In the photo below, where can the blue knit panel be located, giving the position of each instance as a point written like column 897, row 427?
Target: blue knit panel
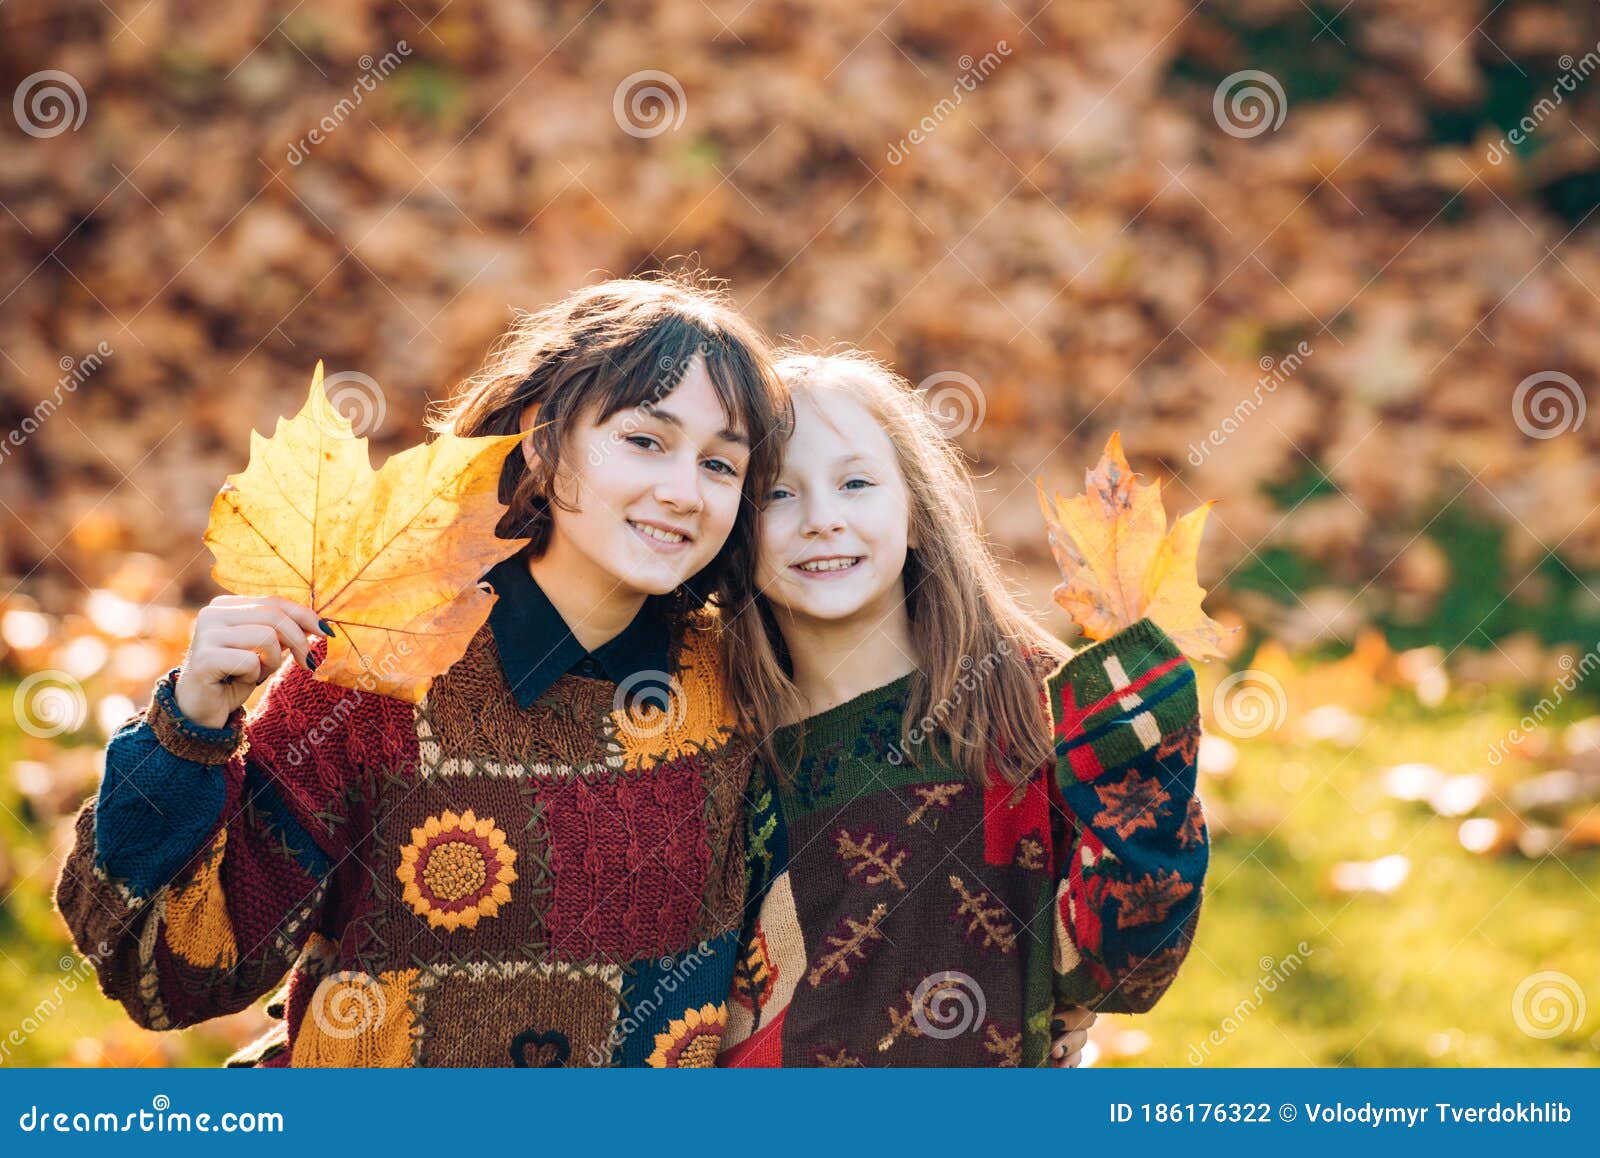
column 155, row 810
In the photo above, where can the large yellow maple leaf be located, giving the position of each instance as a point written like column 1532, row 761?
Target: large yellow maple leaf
column 391, row 558
column 1119, row 562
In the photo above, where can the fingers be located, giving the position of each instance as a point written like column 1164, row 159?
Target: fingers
column 287, row 621
column 1072, row 1017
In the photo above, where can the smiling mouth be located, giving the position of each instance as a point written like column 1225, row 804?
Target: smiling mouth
column 833, row 566
column 658, row 537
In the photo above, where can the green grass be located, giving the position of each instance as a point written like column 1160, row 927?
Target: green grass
column 1424, row 976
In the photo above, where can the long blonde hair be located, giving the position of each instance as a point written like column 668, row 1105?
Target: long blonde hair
column 979, row 694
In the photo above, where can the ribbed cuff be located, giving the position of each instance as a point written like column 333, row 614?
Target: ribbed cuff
column 1143, row 642
column 186, row 739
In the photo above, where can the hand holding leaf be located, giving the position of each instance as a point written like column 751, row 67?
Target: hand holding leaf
column 1119, row 562
column 391, row 557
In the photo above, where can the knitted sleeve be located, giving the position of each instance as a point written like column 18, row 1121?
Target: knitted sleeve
column 1133, row 847
column 203, row 863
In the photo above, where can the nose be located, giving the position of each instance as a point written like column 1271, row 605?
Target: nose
column 822, row 517
column 680, row 487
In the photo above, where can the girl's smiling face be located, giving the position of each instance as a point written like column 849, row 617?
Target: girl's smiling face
column 833, row 537
column 654, row 490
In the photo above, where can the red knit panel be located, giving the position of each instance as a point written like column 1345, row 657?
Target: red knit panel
column 762, row 1049
column 628, row 860
column 1008, row 818
column 314, row 737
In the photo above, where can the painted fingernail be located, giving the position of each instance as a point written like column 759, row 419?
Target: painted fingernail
column 1059, row 1026
column 327, row 628
column 311, row 661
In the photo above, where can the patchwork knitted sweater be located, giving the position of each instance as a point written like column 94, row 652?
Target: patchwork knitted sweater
column 469, row 881
column 898, row 914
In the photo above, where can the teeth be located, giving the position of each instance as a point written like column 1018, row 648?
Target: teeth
column 829, row 565
column 657, row 533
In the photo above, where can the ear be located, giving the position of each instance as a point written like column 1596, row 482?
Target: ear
column 529, row 413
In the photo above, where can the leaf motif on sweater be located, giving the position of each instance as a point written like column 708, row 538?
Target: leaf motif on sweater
column 1148, row 898
column 871, row 857
column 986, row 919
column 848, row 944
column 1131, row 804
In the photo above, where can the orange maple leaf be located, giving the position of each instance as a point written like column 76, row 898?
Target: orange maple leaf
column 1120, row 563
column 391, row 558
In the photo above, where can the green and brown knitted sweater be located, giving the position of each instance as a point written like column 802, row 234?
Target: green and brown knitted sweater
column 898, row 914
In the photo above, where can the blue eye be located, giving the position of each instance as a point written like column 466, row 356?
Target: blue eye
column 858, row 483
column 778, row 493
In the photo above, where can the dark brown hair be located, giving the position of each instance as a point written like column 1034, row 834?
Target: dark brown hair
column 619, row 344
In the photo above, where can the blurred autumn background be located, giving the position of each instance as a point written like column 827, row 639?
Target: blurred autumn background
column 1333, row 265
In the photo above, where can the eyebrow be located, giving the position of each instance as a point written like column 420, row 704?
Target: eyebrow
column 673, row 420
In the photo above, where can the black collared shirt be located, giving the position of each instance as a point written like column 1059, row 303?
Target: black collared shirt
column 537, row 647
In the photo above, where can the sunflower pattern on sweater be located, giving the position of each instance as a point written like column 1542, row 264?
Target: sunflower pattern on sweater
column 470, row 881
column 901, row 915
